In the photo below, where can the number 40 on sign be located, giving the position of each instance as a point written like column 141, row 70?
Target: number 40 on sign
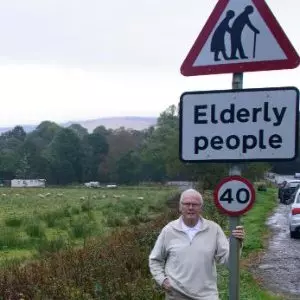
column 234, row 195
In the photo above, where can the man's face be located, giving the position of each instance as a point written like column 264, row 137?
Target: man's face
column 191, row 207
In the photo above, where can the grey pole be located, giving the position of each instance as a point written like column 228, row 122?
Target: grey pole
column 234, row 244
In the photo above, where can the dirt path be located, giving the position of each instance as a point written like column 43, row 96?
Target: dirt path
column 279, row 268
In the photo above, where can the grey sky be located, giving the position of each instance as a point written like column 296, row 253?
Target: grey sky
column 75, row 59
column 97, row 32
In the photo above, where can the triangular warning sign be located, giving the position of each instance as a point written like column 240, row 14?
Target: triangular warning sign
column 240, row 36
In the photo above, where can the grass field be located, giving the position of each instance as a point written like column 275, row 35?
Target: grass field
column 42, row 221
column 35, row 220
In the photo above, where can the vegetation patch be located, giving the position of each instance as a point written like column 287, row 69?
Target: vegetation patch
column 115, row 266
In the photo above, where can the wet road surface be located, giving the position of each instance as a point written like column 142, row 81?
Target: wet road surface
column 279, row 268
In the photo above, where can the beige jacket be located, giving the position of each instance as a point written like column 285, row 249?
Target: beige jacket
column 190, row 265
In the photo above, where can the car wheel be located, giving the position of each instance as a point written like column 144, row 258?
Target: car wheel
column 293, row 234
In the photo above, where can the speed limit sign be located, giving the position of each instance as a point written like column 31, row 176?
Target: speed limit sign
column 234, row 195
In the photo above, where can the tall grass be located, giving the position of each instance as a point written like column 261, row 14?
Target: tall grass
column 115, row 266
column 34, row 219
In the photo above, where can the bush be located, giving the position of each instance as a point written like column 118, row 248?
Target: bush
column 137, row 219
column 115, row 220
column 211, row 212
column 173, row 201
column 13, row 222
column 35, row 229
column 113, row 267
column 10, row 239
column 82, row 226
column 262, row 188
column 51, row 217
column 86, row 206
column 47, row 246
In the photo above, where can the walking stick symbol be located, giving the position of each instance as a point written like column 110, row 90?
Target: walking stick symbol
column 254, row 44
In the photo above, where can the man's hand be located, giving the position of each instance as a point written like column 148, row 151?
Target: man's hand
column 166, row 285
column 239, row 233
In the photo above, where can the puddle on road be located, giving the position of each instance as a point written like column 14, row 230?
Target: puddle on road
column 280, row 266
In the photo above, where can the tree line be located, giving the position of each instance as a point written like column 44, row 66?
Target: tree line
column 66, row 155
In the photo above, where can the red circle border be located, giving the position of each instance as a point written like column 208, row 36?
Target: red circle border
column 234, row 178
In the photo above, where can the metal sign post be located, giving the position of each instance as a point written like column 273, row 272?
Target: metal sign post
column 234, row 244
column 218, row 126
column 233, row 196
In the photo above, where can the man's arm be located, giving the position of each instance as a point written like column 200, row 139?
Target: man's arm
column 222, row 251
column 252, row 27
column 157, row 259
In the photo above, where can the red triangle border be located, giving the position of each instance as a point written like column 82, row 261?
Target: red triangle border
column 292, row 61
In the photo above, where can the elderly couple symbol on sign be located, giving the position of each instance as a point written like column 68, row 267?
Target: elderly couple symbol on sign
column 235, row 31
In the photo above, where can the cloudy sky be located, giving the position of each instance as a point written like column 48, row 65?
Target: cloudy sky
column 66, row 60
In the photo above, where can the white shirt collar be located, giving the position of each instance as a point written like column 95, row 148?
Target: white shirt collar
column 186, row 228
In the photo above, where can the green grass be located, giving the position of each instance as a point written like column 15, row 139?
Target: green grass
column 255, row 220
column 42, row 221
column 249, row 288
column 34, row 220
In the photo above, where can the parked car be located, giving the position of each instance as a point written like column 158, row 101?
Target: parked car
column 286, row 189
column 294, row 215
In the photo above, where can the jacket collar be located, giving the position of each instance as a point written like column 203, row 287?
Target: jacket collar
column 177, row 224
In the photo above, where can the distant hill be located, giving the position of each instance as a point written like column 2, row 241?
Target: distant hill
column 137, row 123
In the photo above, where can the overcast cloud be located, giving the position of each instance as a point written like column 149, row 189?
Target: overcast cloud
column 80, row 59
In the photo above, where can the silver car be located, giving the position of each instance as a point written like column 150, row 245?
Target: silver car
column 294, row 216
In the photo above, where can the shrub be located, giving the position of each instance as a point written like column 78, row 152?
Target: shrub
column 262, row 187
column 51, row 217
column 115, row 220
column 86, row 206
column 46, row 246
column 82, row 226
column 113, row 267
column 10, row 239
column 211, row 212
column 13, row 222
column 35, row 228
column 173, row 200
column 137, row 219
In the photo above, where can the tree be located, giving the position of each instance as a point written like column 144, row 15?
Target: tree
column 18, row 133
column 95, row 148
column 23, row 168
column 8, row 164
column 128, row 168
column 120, row 142
column 46, row 131
column 102, row 130
column 79, row 130
column 255, row 171
column 64, row 155
column 159, row 153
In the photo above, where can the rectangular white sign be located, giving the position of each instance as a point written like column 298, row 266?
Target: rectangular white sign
column 239, row 125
